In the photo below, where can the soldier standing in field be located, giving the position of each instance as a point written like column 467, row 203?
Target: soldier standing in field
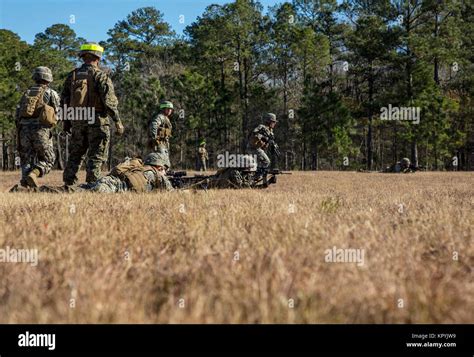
column 261, row 138
column 159, row 131
column 35, row 139
column 203, row 156
column 89, row 87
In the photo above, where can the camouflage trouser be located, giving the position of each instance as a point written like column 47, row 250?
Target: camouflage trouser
column 263, row 161
column 202, row 164
column 163, row 149
column 36, row 141
column 92, row 140
column 109, row 184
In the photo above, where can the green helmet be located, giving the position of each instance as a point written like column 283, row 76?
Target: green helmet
column 166, row 104
column 156, row 159
column 270, row 117
column 203, row 142
column 92, row 48
column 42, row 73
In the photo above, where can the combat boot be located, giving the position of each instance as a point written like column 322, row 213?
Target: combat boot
column 261, row 175
column 31, row 179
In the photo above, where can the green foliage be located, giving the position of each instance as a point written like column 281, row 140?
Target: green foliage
column 325, row 68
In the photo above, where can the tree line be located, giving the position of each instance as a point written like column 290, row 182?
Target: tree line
column 327, row 69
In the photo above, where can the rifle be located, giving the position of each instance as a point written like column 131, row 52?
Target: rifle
column 180, row 180
column 274, row 149
column 273, row 178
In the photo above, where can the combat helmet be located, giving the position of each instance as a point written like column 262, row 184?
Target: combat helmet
column 166, row 104
column 156, row 159
column 270, row 117
column 42, row 73
column 405, row 161
column 91, row 48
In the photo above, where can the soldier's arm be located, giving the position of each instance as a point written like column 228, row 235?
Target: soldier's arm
column 155, row 123
column 54, row 100
column 259, row 132
column 107, row 94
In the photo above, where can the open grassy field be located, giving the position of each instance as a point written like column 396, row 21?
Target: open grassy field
column 245, row 256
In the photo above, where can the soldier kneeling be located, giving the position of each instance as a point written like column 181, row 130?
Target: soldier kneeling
column 134, row 175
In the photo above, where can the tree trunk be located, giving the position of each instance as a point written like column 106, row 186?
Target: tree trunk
column 414, row 153
column 370, row 153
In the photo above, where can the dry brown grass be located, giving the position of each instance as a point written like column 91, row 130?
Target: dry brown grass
column 191, row 255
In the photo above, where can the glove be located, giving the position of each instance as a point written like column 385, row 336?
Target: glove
column 119, row 127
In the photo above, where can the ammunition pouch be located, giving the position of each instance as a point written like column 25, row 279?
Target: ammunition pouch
column 257, row 143
column 163, row 132
column 47, row 116
column 83, row 90
column 136, row 180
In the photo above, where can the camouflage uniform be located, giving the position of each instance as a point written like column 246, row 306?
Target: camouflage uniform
column 259, row 142
column 159, row 132
column 155, row 178
column 235, row 177
column 203, row 157
column 93, row 138
column 35, row 139
column 402, row 166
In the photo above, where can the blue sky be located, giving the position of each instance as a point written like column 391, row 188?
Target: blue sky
column 93, row 18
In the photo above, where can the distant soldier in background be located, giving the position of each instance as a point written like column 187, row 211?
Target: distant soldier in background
column 134, row 175
column 35, row 116
column 159, row 131
column 203, row 156
column 402, row 166
column 261, row 139
column 91, row 88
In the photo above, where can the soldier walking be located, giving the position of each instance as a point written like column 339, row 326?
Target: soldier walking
column 261, row 138
column 35, row 139
column 88, row 87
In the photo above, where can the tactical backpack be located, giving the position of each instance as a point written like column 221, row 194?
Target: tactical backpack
column 32, row 105
column 83, row 89
column 131, row 171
